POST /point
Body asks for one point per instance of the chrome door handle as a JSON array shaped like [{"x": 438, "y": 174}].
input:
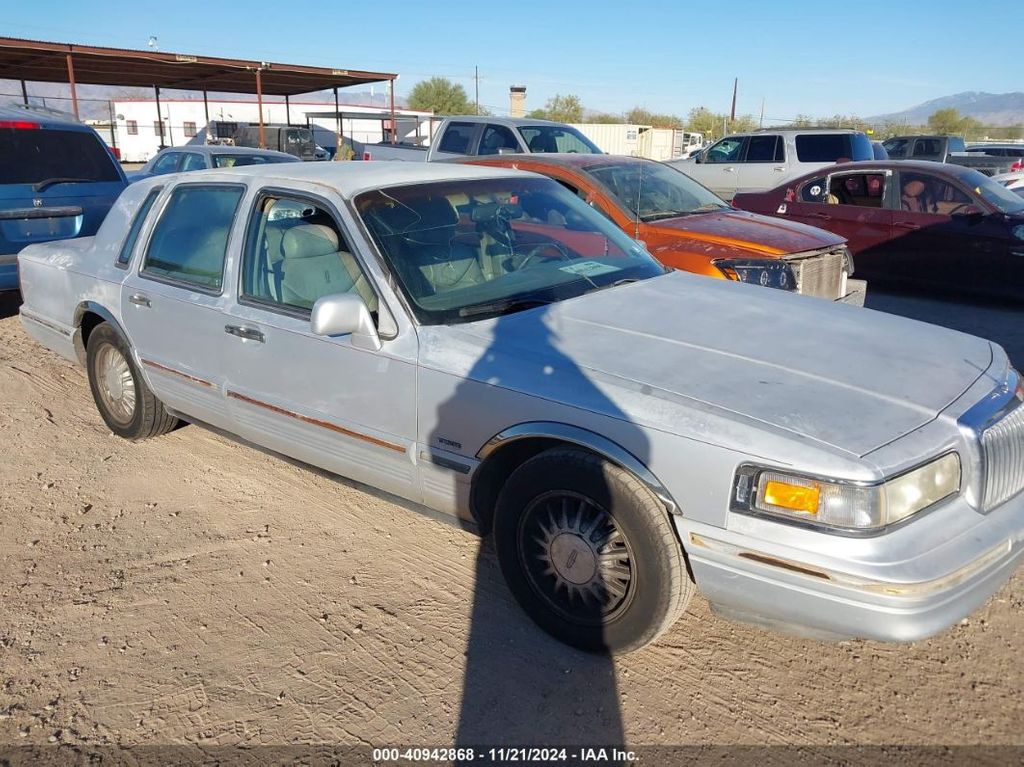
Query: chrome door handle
[
  {"x": 140, "y": 300},
  {"x": 247, "y": 334},
  {"x": 779, "y": 168},
  {"x": 907, "y": 225},
  {"x": 729, "y": 170}
]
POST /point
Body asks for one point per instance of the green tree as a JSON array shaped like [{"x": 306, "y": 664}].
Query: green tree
[
  {"x": 441, "y": 96},
  {"x": 950, "y": 121},
  {"x": 703, "y": 120},
  {"x": 563, "y": 109},
  {"x": 605, "y": 117},
  {"x": 641, "y": 116}
]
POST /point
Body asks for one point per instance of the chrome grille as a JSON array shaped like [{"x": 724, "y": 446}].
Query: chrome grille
[
  {"x": 1002, "y": 445},
  {"x": 819, "y": 275}
]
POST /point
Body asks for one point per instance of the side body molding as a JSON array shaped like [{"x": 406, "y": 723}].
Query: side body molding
[{"x": 584, "y": 438}]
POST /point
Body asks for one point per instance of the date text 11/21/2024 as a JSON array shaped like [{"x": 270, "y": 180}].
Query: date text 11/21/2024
[{"x": 502, "y": 754}]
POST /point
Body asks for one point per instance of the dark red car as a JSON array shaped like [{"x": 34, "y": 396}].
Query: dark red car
[{"x": 912, "y": 222}]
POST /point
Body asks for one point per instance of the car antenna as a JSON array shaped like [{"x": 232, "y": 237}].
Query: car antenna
[{"x": 639, "y": 189}]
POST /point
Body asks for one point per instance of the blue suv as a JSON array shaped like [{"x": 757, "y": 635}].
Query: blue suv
[{"x": 57, "y": 180}]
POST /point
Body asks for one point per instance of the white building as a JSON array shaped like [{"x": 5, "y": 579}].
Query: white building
[{"x": 184, "y": 122}]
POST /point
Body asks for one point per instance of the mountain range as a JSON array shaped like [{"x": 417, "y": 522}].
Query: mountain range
[{"x": 992, "y": 109}]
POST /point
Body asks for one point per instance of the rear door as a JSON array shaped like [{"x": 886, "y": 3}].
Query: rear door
[
  {"x": 55, "y": 183},
  {"x": 171, "y": 301}
]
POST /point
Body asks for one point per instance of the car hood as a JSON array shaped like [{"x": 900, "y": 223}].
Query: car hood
[
  {"x": 761, "y": 235},
  {"x": 845, "y": 377}
]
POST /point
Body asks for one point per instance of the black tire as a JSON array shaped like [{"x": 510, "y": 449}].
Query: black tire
[
  {"x": 554, "y": 525},
  {"x": 145, "y": 417}
]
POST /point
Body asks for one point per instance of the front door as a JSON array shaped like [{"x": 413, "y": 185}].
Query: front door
[
  {"x": 320, "y": 399},
  {"x": 764, "y": 163},
  {"x": 941, "y": 236},
  {"x": 171, "y": 305}
]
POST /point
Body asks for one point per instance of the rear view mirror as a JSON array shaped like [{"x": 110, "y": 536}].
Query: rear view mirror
[{"x": 343, "y": 314}]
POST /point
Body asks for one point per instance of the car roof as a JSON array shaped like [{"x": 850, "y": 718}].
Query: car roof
[
  {"x": 510, "y": 121},
  {"x": 44, "y": 116},
  {"x": 793, "y": 130},
  {"x": 348, "y": 178},
  {"x": 920, "y": 166},
  {"x": 225, "y": 149}
]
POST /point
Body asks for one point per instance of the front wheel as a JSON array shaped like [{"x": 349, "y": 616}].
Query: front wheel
[
  {"x": 589, "y": 552},
  {"x": 126, "y": 404}
]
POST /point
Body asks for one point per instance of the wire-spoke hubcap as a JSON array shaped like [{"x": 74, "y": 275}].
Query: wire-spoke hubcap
[
  {"x": 576, "y": 557},
  {"x": 116, "y": 384}
]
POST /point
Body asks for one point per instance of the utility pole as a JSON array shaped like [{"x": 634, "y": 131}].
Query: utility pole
[
  {"x": 760, "y": 123},
  {"x": 476, "y": 80},
  {"x": 735, "y": 87}
]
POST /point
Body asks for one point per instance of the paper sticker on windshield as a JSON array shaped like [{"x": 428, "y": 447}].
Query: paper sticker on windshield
[
  {"x": 815, "y": 190},
  {"x": 588, "y": 268}
]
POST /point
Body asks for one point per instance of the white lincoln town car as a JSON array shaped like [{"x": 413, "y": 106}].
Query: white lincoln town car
[{"x": 481, "y": 342}]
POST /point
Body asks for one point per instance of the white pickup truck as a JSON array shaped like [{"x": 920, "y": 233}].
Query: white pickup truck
[{"x": 474, "y": 135}]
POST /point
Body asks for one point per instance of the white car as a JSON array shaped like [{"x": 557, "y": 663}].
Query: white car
[
  {"x": 1013, "y": 180},
  {"x": 761, "y": 160}
]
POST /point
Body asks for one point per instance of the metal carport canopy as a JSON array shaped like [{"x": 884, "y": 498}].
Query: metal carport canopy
[{"x": 40, "y": 61}]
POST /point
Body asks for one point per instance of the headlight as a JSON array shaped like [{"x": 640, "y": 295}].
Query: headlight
[
  {"x": 846, "y": 505},
  {"x": 1018, "y": 232},
  {"x": 767, "y": 272}
]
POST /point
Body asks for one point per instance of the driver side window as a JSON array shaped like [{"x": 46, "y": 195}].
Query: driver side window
[
  {"x": 295, "y": 254},
  {"x": 726, "y": 150}
]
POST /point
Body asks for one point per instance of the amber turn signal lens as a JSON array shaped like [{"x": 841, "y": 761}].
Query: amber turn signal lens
[{"x": 793, "y": 497}]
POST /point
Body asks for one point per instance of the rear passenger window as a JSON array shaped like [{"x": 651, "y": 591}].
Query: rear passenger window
[
  {"x": 191, "y": 237},
  {"x": 133, "y": 232},
  {"x": 456, "y": 138},
  {"x": 295, "y": 254}
]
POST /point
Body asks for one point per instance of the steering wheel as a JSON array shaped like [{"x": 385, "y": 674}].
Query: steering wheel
[
  {"x": 958, "y": 208},
  {"x": 527, "y": 258}
]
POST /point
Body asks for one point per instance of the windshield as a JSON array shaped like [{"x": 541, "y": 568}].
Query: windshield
[
  {"x": 653, "y": 191},
  {"x": 471, "y": 249},
  {"x": 33, "y": 155},
  {"x": 994, "y": 193},
  {"x": 557, "y": 138}
]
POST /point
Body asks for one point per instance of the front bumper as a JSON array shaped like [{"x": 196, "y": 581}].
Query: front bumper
[
  {"x": 883, "y": 588},
  {"x": 8, "y": 272}
]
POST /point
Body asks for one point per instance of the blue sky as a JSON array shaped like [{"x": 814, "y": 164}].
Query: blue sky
[{"x": 818, "y": 58}]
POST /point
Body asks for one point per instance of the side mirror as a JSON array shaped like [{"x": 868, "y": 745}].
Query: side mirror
[{"x": 343, "y": 314}]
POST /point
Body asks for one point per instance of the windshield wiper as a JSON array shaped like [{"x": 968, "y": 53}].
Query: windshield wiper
[
  {"x": 664, "y": 214},
  {"x": 39, "y": 186},
  {"x": 503, "y": 306}
]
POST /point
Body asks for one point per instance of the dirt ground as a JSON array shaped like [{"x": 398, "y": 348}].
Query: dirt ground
[{"x": 192, "y": 589}]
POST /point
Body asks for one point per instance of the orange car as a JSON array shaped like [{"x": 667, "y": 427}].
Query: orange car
[{"x": 685, "y": 226}]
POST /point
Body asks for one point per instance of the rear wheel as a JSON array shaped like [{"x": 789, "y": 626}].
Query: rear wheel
[
  {"x": 589, "y": 552},
  {"x": 126, "y": 404}
]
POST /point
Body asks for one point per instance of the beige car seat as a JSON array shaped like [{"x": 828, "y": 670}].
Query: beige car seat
[{"x": 313, "y": 266}]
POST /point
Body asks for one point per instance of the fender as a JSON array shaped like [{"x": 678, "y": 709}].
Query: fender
[
  {"x": 584, "y": 438},
  {"x": 93, "y": 307}
]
